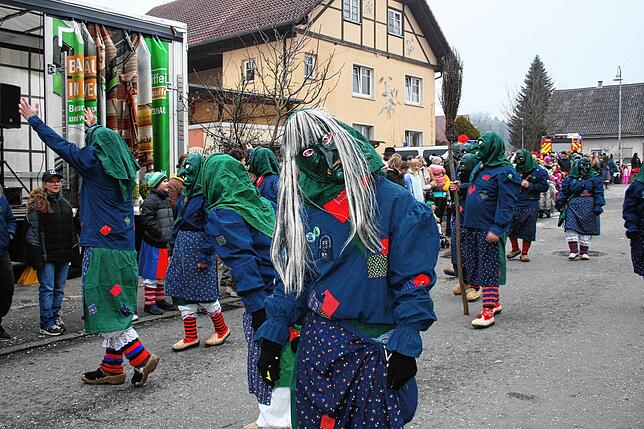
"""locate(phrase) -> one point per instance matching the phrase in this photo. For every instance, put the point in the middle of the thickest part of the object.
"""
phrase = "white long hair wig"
(290, 251)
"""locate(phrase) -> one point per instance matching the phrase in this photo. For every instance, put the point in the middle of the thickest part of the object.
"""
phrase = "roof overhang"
(85, 12)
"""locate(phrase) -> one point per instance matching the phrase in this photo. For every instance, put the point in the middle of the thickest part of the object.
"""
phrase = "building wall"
(630, 145)
(346, 44)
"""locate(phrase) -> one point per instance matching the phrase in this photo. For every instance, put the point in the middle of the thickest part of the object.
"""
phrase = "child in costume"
(524, 222)
(264, 165)
(465, 167)
(633, 214)
(109, 275)
(438, 171)
(581, 199)
(356, 254)
(157, 217)
(240, 223)
(489, 208)
(192, 274)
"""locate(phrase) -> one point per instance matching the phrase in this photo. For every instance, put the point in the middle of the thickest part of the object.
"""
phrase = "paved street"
(567, 351)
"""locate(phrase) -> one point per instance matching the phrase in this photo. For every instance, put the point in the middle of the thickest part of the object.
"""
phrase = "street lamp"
(618, 78)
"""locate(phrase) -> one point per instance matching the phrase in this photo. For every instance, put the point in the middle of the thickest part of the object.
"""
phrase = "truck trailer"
(67, 56)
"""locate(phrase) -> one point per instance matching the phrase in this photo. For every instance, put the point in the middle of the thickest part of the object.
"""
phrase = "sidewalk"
(22, 322)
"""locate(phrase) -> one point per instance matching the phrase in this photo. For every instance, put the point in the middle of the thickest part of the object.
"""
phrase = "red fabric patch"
(339, 207)
(106, 229)
(259, 181)
(116, 290)
(330, 304)
(292, 334)
(471, 190)
(486, 177)
(385, 246)
(162, 265)
(327, 422)
(421, 280)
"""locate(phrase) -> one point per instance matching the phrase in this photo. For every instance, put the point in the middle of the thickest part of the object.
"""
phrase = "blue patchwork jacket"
(390, 287)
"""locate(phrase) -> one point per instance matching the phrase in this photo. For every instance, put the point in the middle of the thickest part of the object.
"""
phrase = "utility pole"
(618, 78)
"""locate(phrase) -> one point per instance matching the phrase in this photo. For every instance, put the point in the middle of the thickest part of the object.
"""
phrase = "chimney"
(600, 83)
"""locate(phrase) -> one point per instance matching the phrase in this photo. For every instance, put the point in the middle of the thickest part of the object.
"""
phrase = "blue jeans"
(52, 278)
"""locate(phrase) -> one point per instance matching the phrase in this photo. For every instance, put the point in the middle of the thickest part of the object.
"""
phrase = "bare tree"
(292, 74)
(450, 97)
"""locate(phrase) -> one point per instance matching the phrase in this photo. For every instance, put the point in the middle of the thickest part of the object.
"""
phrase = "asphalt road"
(567, 351)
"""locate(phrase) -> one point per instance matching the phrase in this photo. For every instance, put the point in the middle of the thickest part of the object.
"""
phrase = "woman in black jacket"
(157, 218)
(50, 242)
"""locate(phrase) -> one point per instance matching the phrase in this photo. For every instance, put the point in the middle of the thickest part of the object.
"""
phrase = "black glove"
(295, 343)
(259, 317)
(400, 369)
(633, 235)
(269, 362)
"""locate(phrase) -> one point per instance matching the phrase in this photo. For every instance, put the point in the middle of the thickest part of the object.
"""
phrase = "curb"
(226, 304)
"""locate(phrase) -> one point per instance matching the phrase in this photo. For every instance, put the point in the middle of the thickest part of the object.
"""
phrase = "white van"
(424, 151)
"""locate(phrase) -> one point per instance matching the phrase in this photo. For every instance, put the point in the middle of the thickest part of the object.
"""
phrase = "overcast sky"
(580, 42)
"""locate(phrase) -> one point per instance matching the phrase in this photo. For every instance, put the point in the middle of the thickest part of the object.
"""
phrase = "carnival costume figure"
(109, 268)
(356, 255)
(241, 223)
(465, 167)
(534, 181)
(489, 208)
(157, 219)
(580, 203)
(633, 214)
(192, 274)
(264, 165)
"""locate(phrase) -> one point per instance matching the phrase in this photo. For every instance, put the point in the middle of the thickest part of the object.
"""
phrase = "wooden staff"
(457, 214)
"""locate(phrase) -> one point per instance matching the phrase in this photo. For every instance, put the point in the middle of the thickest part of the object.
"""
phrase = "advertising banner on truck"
(160, 103)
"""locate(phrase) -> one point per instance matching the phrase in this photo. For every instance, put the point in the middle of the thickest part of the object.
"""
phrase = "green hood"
(530, 162)
(491, 150)
(191, 172)
(116, 158)
(574, 171)
(262, 162)
(226, 185)
(319, 190)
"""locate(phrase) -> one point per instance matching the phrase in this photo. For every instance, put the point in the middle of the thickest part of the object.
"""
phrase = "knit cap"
(153, 179)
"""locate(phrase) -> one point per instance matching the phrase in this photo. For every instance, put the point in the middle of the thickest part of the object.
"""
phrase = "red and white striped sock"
(150, 295)
(219, 322)
(190, 329)
(160, 292)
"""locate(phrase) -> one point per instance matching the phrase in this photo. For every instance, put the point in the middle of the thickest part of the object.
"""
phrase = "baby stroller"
(547, 201)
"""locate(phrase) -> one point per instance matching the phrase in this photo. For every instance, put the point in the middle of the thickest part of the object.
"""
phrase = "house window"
(362, 81)
(413, 90)
(249, 70)
(309, 66)
(394, 22)
(413, 138)
(351, 10)
(365, 130)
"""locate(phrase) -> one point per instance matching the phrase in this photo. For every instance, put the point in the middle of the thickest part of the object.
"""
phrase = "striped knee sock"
(218, 320)
(190, 328)
(136, 353)
(583, 249)
(490, 296)
(112, 362)
(526, 247)
(515, 244)
(160, 292)
(150, 294)
(574, 246)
